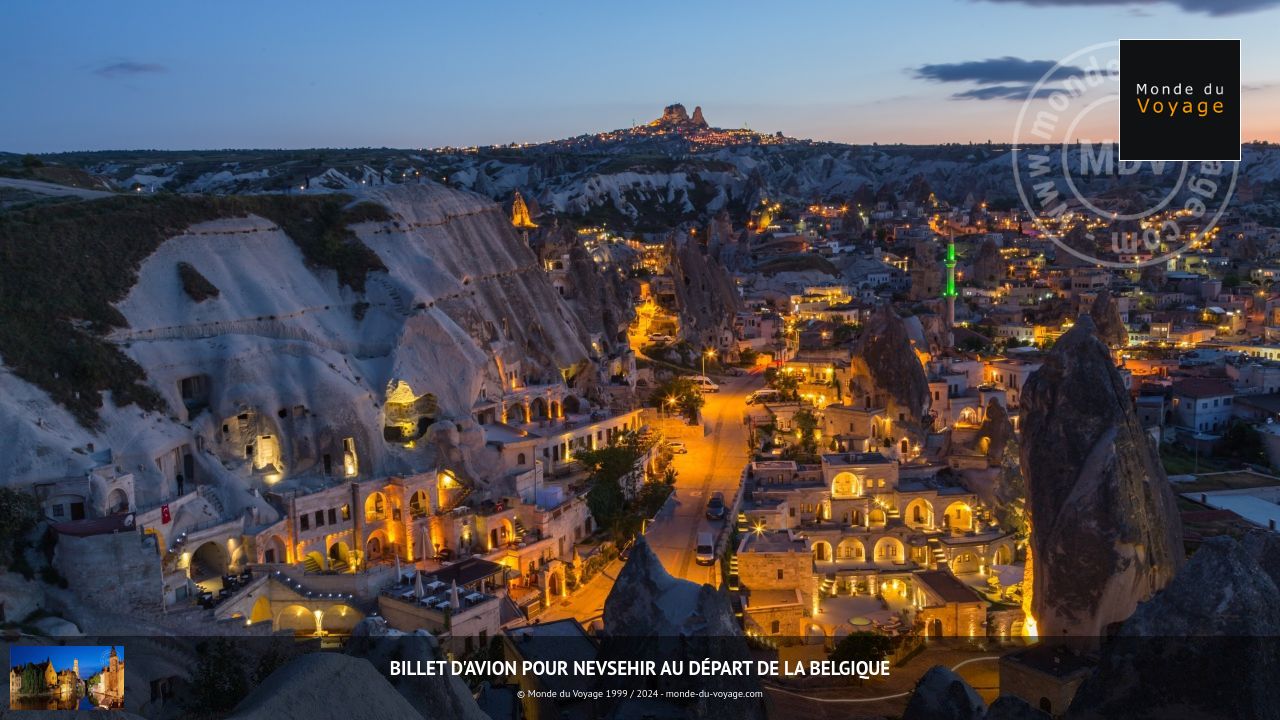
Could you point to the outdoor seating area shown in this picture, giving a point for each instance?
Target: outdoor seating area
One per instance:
(209, 595)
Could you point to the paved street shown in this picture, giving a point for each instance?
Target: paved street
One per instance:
(717, 454)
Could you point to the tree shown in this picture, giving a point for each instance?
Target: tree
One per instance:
(1243, 443)
(862, 646)
(787, 384)
(219, 683)
(679, 393)
(19, 512)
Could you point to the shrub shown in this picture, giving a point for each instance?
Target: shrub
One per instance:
(197, 286)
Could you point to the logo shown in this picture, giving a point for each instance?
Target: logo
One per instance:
(1082, 196)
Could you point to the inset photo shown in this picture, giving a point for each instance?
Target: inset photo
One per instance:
(66, 677)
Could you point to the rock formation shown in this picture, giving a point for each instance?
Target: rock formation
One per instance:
(1203, 647)
(650, 615)
(1105, 530)
(941, 694)
(697, 120)
(326, 686)
(1106, 317)
(706, 296)
(885, 362)
(433, 696)
(988, 266)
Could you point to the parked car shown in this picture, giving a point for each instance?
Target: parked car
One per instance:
(765, 395)
(703, 383)
(659, 338)
(676, 447)
(715, 507)
(706, 549)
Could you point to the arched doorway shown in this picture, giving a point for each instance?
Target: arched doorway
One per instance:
(572, 404)
(375, 507)
(822, 551)
(1003, 555)
(876, 518)
(850, 549)
(814, 635)
(889, 549)
(376, 546)
(935, 628)
(117, 501)
(959, 516)
(538, 409)
(261, 611)
(418, 504)
(845, 484)
(339, 556)
(340, 619)
(297, 619)
(919, 514)
(275, 551)
(208, 562)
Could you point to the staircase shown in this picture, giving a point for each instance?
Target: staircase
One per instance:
(517, 530)
(828, 588)
(938, 555)
(311, 565)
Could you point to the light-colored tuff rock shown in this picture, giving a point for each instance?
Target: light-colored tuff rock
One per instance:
(1106, 533)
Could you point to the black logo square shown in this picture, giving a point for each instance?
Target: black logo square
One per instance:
(1180, 100)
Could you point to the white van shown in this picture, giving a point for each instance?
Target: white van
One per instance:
(703, 383)
(706, 550)
(763, 396)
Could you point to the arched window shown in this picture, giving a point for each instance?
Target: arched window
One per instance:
(520, 459)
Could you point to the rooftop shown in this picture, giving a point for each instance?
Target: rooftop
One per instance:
(944, 585)
(1202, 388)
(867, 458)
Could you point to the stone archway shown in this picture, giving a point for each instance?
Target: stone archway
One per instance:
(261, 611)
(538, 409)
(275, 551)
(419, 505)
(919, 514)
(959, 516)
(1003, 555)
(822, 551)
(117, 501)
(845, 485)
(889, 549)
(340, 619)
(376, 545)
(209, 561)
(375, 507)
(814, 634)
(934, 629)
(876, 518)
(850, 549)
(297, 619)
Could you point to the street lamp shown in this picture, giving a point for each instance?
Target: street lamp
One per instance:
(710, 353)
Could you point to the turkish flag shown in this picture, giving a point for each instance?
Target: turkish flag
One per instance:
(164, 514)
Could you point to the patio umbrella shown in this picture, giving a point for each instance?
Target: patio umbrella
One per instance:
(453, 595)
(417, 585)
(399, 577)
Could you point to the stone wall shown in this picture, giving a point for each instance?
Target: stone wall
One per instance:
(759, 570)
(118, 571)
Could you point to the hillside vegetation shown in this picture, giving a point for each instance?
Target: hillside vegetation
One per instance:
(62, 267)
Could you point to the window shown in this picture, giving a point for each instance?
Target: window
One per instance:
(775, 627)
(779, 573)
(520, 459)
(319, 518)
(58, 511)
(333, 516)
(304, 522)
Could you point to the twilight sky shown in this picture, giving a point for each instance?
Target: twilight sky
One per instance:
(85, 75)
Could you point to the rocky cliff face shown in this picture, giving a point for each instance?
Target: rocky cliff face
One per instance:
(941, 694)
(1105, 531)
(650, 615)
(885, 362)
(1203, 647)
(1106, 317)
(322, 685)
(432, 696)
(988, 266)
(705, 294)
(288, 353)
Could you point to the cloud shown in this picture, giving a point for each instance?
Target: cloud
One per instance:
(993, 70)
(1208, 7)
(1001, 92)
(121, 68)
(1004, 78)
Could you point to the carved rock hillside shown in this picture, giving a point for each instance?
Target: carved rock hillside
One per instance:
(884, 361)
(1105, 530)
(287, 352)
